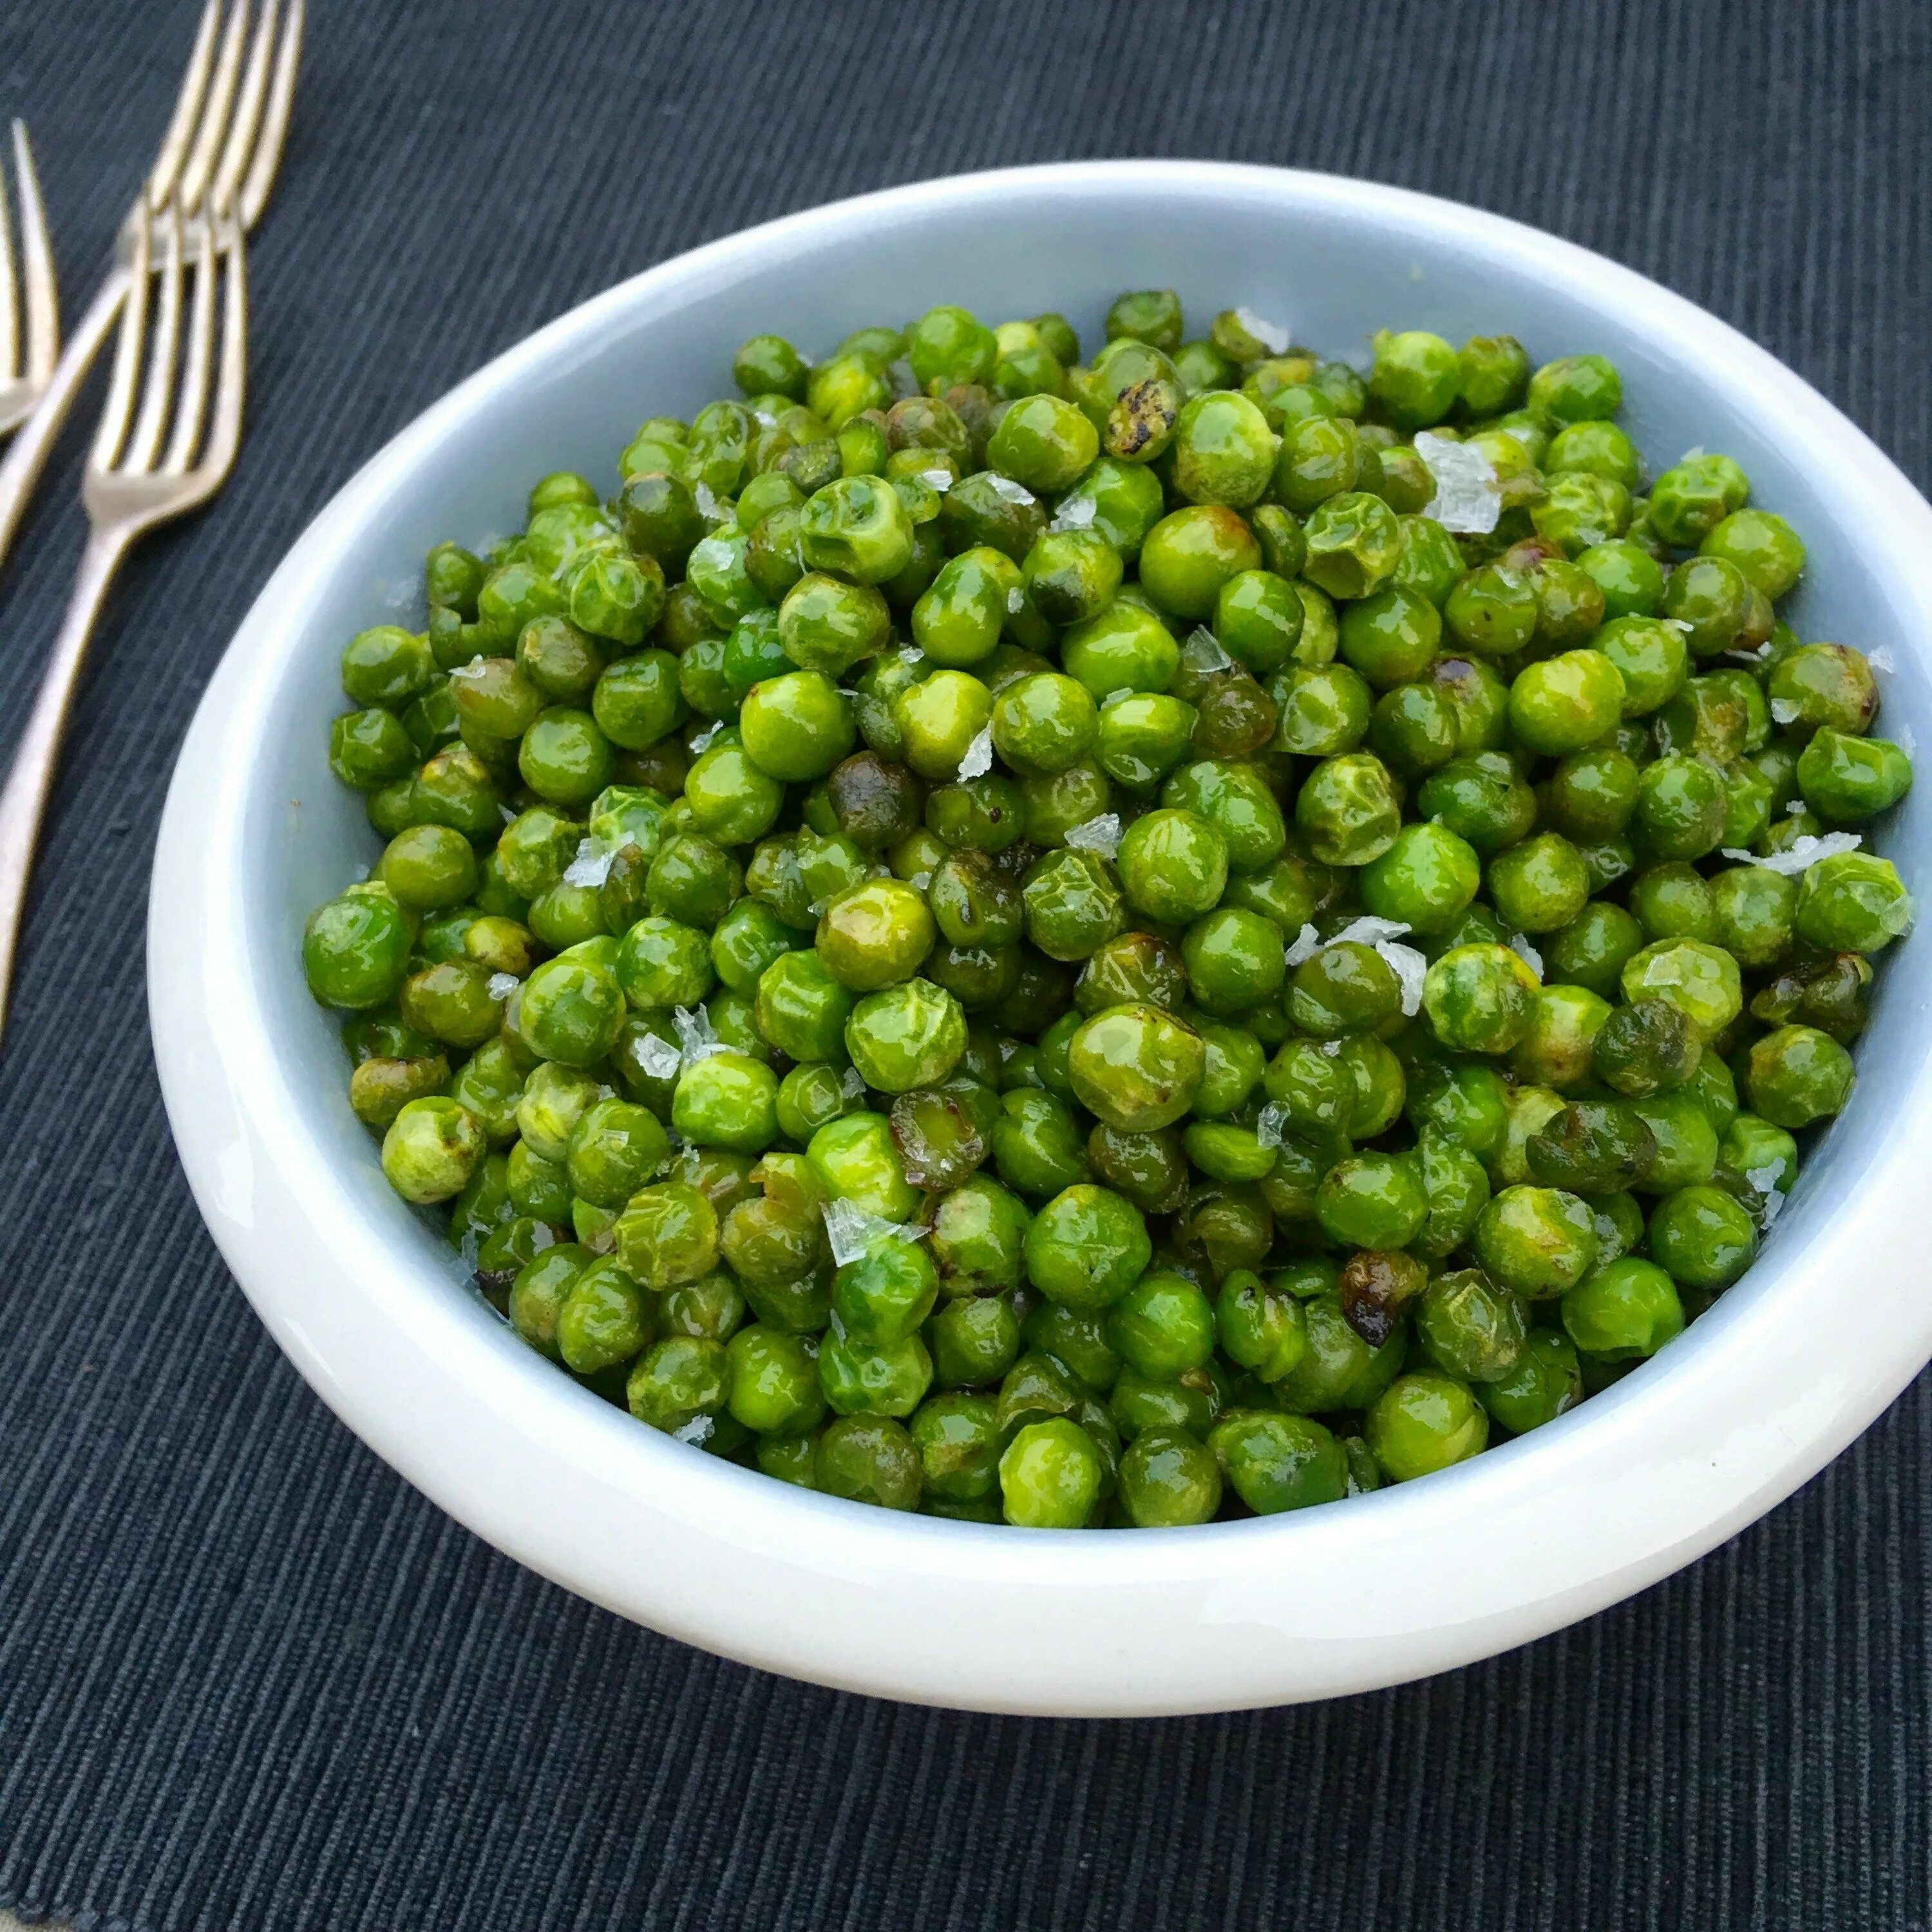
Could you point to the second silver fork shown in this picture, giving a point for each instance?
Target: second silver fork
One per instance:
(175, 386)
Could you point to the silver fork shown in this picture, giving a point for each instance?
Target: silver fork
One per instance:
(222, 146)
(192, 395)
(23, 382)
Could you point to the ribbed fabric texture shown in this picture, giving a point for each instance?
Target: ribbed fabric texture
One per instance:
(247, 1678)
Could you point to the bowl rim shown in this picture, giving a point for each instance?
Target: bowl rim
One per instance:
(1529, 1537)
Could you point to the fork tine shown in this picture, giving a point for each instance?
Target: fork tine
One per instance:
(225, 438)
(10, 294)
(159, 387)
(197, 358)
(38, 259)
(214, 128)
(261, 179)
(118, 408)
(247, 116)
(166, 170)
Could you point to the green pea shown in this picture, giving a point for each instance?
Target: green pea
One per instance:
(1137, 1067)
(1702, 1238)
(1493, 611)
(867, 1458)
(432, 1147)
(1390, 635)
(1188, 555)
(355, 950)
(1355, 543)
(667, 1235)
(1416, 378)
(1479, 998)
(1700, 979)
(1762, 545)
(1691, 498)
(1423, 1422)
(1540, 884)
(1168, 1479)
(1373, 1200)
(1537, 1241)
(1817, 686)
(1050, 1476)
(1472, 1329)
(1847, 780)
(1624, 1312)
(1086, 1247)
(1797, 1074)
(1562, 704)
(1545, 1383)
(1276, 1462)
(1324, 709)
(1576, 388)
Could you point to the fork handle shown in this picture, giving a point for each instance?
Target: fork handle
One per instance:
(35, 441)
(24, 802)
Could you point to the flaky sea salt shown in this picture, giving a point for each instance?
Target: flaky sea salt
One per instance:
(1785, 709)
(508, 814)
(1015, 602)
(709, 507)
(1679, 625)
(852, 1231)
(1077, 513)
(658, 1058)
(1765, 1179)
(1902, 738)
(1468, 497)
(1691, 454)
(1101, 834)
(591, 865)
(1800, 855)
(1271, 335)
(941, 480)
(1115, 696)
(1774, 1206)
(1520, 945)
(1269, 1125)
(502, 985)
(474, 669)
(1369, 930)
(911, 654)
(1332, 1048)
(1304, 945)
(695, 1034)
(1410, 969)
(978, 759)
(1207, 649)
(697, 1432)
(702, 743)
(853, 1085)
(1881, 659)
(1005, 486)
(922, 878)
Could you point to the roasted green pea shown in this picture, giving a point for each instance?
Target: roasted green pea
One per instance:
(1546, 1382)
(1624, 1312)
(1423, 1422)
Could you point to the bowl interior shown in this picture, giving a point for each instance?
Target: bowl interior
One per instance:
(1329, 261)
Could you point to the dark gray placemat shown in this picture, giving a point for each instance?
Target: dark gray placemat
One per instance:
(247, 1678)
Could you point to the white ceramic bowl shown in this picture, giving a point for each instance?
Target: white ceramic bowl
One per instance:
(374, 1309)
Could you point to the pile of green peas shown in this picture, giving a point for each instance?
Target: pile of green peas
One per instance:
(1035, 939)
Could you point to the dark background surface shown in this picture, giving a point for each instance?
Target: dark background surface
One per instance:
(247, 1678)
